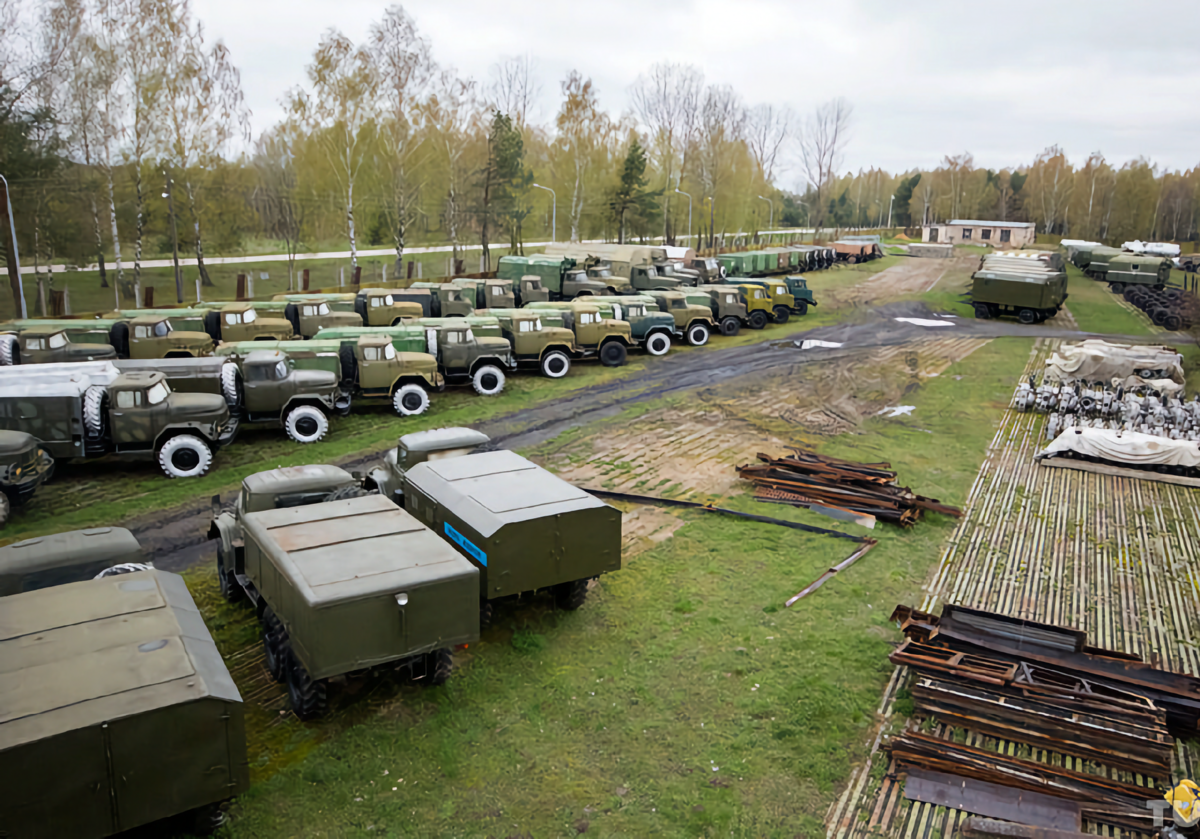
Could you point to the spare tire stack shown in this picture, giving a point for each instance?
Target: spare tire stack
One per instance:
(1173, 309)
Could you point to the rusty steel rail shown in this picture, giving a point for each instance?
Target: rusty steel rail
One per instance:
(977, 828)
(828, 575)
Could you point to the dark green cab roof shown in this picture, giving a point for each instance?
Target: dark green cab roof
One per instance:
(440, 439)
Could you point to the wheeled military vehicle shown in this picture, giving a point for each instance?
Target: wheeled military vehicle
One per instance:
(76, 412)
(649, 327)
(49, 345)
(118, 710)
(529, 289)
(149, 336)
(310, 317)
(493, 293)
(273, 391)
(69, 557)
(563, 277)
(548, 348)
(1094, 262)
(380, 307)
(24, 466)
(725, 303)
(153, 336)
(796, 286)
(693, 322)
(447, 300)
(419, 447)
(756, 299)
(234, 322)
(345, 585)
(594, 336)
(1130, 269)
(522, 527)
(638, 266)
(307, 314)
(783, 304)
(1031, 297)
(854, 252)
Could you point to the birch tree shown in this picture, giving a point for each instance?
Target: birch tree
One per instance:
(582, 129)
(667, 101)
(452, 117)
(276, 196)
(822, 143)
(514, 88)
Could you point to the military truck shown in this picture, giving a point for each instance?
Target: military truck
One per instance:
(150, 336)
(1137, 269)
(119, 711)
(380, 307)
(782, 301)
(48, 345)
(523, 528)
(563, 277)
(594, 336)
(462, 356)
(24, 466)
(725, 303)
(496, 294)
(693, 322)
(548, 348)
(649, 327)
(75, 413)
(234, 322)
(418, 447)
(306, 313)
(447, 300)
(1032, 297)
(707, 268)
(529, 289)
(756, 299)
(344, 586)
(339, 301)
(69, 557)
(609, 311)
(643, 268)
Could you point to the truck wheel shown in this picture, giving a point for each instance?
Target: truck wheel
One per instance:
(981, 311)
(439, 664)
(93, 410)
(555, 364)
(570, 596)
(1027, 316)
(306, 424)
(613, 354)
(7, 356)
(410, 400)
(229, 388)
(781, 314)
(5, 509)
(658, 344)
(348, 363)
(488, 380)
(206, 820)
(230, 590)
(275, 645)
(1116, 288)
(758, 319)
(801, 308)
(697, 335)
(185, 456)
(730, 326)
(308, 697)
(485, 614)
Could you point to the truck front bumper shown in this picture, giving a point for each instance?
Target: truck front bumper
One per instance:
(21, 490)
(229, 432)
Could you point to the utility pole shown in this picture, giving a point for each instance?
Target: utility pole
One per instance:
(174, 237)
(689, 198)
(13, 255)
(712, 233)
(553, 212)
(771, 222)
(890, 203)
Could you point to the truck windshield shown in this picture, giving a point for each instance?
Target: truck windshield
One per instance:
(162, 329)
(650, 271)
(323, 309)
(666, 270)
(157, 393)
(249, 316)
(58, 341)
(281, 370)
(600, 273)
(710, 264)
(678, 304)
(389, 352)
(635, 311)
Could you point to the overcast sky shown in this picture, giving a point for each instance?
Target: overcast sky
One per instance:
(929, 78)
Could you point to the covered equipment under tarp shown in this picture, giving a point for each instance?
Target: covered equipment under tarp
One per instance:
(1094, 360)
(1124, 447)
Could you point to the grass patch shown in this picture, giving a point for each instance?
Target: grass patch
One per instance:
(1096, 308)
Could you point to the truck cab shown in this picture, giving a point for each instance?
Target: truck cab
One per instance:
(301, 401)
(382, 372)
(648, 278)
(241, 322)
(465, 357)
(757, 300)
(380, 307)
(608, 339)
(531, 290)
(448, 300)
(142, 408)
(549, 348)
(61, 558)
(676, 269)
(782, 301)
(420, 447)
(648, 326)
(707, 267)
(24, 466)
(311, 316)
(692, 322)
(153, 336)
(727, 307)
(47, 344)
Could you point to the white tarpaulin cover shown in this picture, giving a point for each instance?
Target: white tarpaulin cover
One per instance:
(1094, 360)
(1155, 248)
(1128, 447)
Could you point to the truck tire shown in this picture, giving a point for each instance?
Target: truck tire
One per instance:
(439, 664)
(758, 319)
(7, 344)
(697, 335)
(730, 326)
(486, 612)
(206, 820)
(555, 364)
(5, 509)
(185, 456)
(801, 308)
(119, 335)
(410, 400)
(613, 354)
(349, 363)
(1116, 288)
(231, 592)
(212, 324)
(306, 424)
(570, 596)
(982, 312)
(93, 410)
(488, 380)
(308, 697)
(1027, 316)
(782, 314)
(275, 645)
(229, 388)
(658, 343)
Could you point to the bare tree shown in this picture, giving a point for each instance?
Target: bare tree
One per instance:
(276, 195)
(822, 140)
(514, 88)
(767, 129)
(583, 130)
(667, 101)
(452, 115)
(721, 131)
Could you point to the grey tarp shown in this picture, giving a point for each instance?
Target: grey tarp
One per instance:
(1125, 447)
(1094, 360)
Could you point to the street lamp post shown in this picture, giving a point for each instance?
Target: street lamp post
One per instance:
(712, 235)
(175, 241)
(771, 218)
(890, 203)
(689, 210)
(14, 261)
(553, 212)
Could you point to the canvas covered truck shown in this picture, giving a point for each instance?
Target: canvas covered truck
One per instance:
(344, 583)
(595, 336)
(1031, 297)
(1131, 269)
(562, 277)
(232, 322)
(725, 303)
(650, 328)
(76, 412)
(119, 711)
(693, 322)
(69, 557)
(381, 307)
(24, 466)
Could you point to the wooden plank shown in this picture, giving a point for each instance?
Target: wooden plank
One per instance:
(994, 800)
(1117, 471)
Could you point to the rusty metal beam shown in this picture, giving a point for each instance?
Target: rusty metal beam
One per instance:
(977, 828)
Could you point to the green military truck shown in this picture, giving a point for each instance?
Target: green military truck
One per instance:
(149, 336)
(1031, 297)
(492, 293)
(343, 585)
(726, 305)
(381, 307)
(523, 528)
(630, 265)
(548, 348)
(49, 345)
(649, 327)
(87, 412)
(418, 447)
(598, 312)
(445, 300)
(69, 557)
(693, 322)
(307, 315)
(564, 278)
(756, 299)
(233, 322)
(24, 466)
(118, 711)
(1094, 262)
(783, 304)
(594, 335)
(1131, 269)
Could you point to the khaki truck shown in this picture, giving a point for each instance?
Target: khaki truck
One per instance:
(782, 301)
(70, 557)
(650, 328)
(446, 300)
(149, 336)
(307, 314)
(548, 348)
(495, 294)
(345, 583)
(49, 345)
(381, 307)
(89, 411)
(234, 322)
(1032, 297)
(693, 322)
(756, 299)
(634, 264)
(119, 711)
(24, 466)
(594, 335)
(561, 277)
(726, 306)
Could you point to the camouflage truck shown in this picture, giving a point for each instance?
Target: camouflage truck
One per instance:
(523, 528)
(381, 307)
(119, 711)
(564, 278)
(595, 335)
(1032, 297)
(344, 583)
(726, 306)
(24, 466)
(649, 327)
(463, 357)
(782, 301)
(94, 410)
(368, 367)
(233, 322)
(69, 557)
(693, 322)
(549, 348)
(1131, 269)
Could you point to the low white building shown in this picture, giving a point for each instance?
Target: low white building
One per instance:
(998, 234)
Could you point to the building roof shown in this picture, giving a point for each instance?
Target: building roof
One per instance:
(78, 655)
(977, 223)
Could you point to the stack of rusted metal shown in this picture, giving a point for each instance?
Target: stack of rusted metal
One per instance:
(829, 484)
(1031, 683)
